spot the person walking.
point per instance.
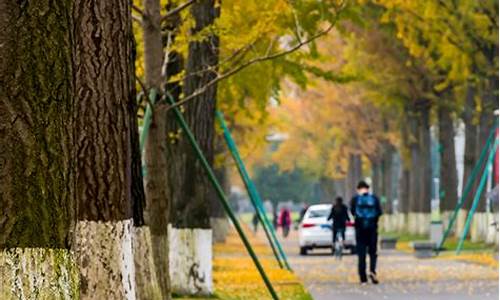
(339, 214)
(365, 207)
(285, 221)
(255, 222)
(275, 218)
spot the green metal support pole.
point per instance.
(222, 196)
(477, 197)
(468, 187)
(147, 119)
(252, 192)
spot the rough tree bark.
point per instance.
(102, 63)
(188, 184)
(448, 169)
(36, 155)
(157, 198)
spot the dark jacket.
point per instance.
(377, 207)
(339, 214)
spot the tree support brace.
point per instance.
(254, 195)
(148, 115)
(477, 196)
(222, 196)
(468, 187)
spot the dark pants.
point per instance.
(366, 239)
(286, 230)
(336, 232)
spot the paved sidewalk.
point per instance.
(402, 277)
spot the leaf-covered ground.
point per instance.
(473, 275)
(235, 276)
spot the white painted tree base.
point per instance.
(106, 261)
(419, 223)
(190, 261)
(147, 285)
(460, 222)
(38, 273)
(423, 223)
(401, 222)
(482, 230)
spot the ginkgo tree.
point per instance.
(188, 49)
(458, 43)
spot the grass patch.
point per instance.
(404, 237)
(450, 244)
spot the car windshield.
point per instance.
(318, 213)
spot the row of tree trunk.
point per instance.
(415, 176)
(70, 165)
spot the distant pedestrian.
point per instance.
(255, 222)
(275, 219)
(285, 221)
(340, 215)
(365, 207)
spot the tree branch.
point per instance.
(176, 10)
(138, 10)
(145, 93)
(137, 19)
(251, 62)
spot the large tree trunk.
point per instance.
(471, 141)
(405, 167)
(339, 185)
(425, 169)
(327, 187)
(404, 190)
(489, 103)
(425, 159)
(103, 72)
(188, 183)
(415, 179)
(157, 198)
(377, 176)
(36, 155)
(387, 177)
(448, 170)
(137, 188)
(353, 175)
(218, 220)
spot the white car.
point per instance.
(315, 231)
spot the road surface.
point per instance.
(402, 277)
